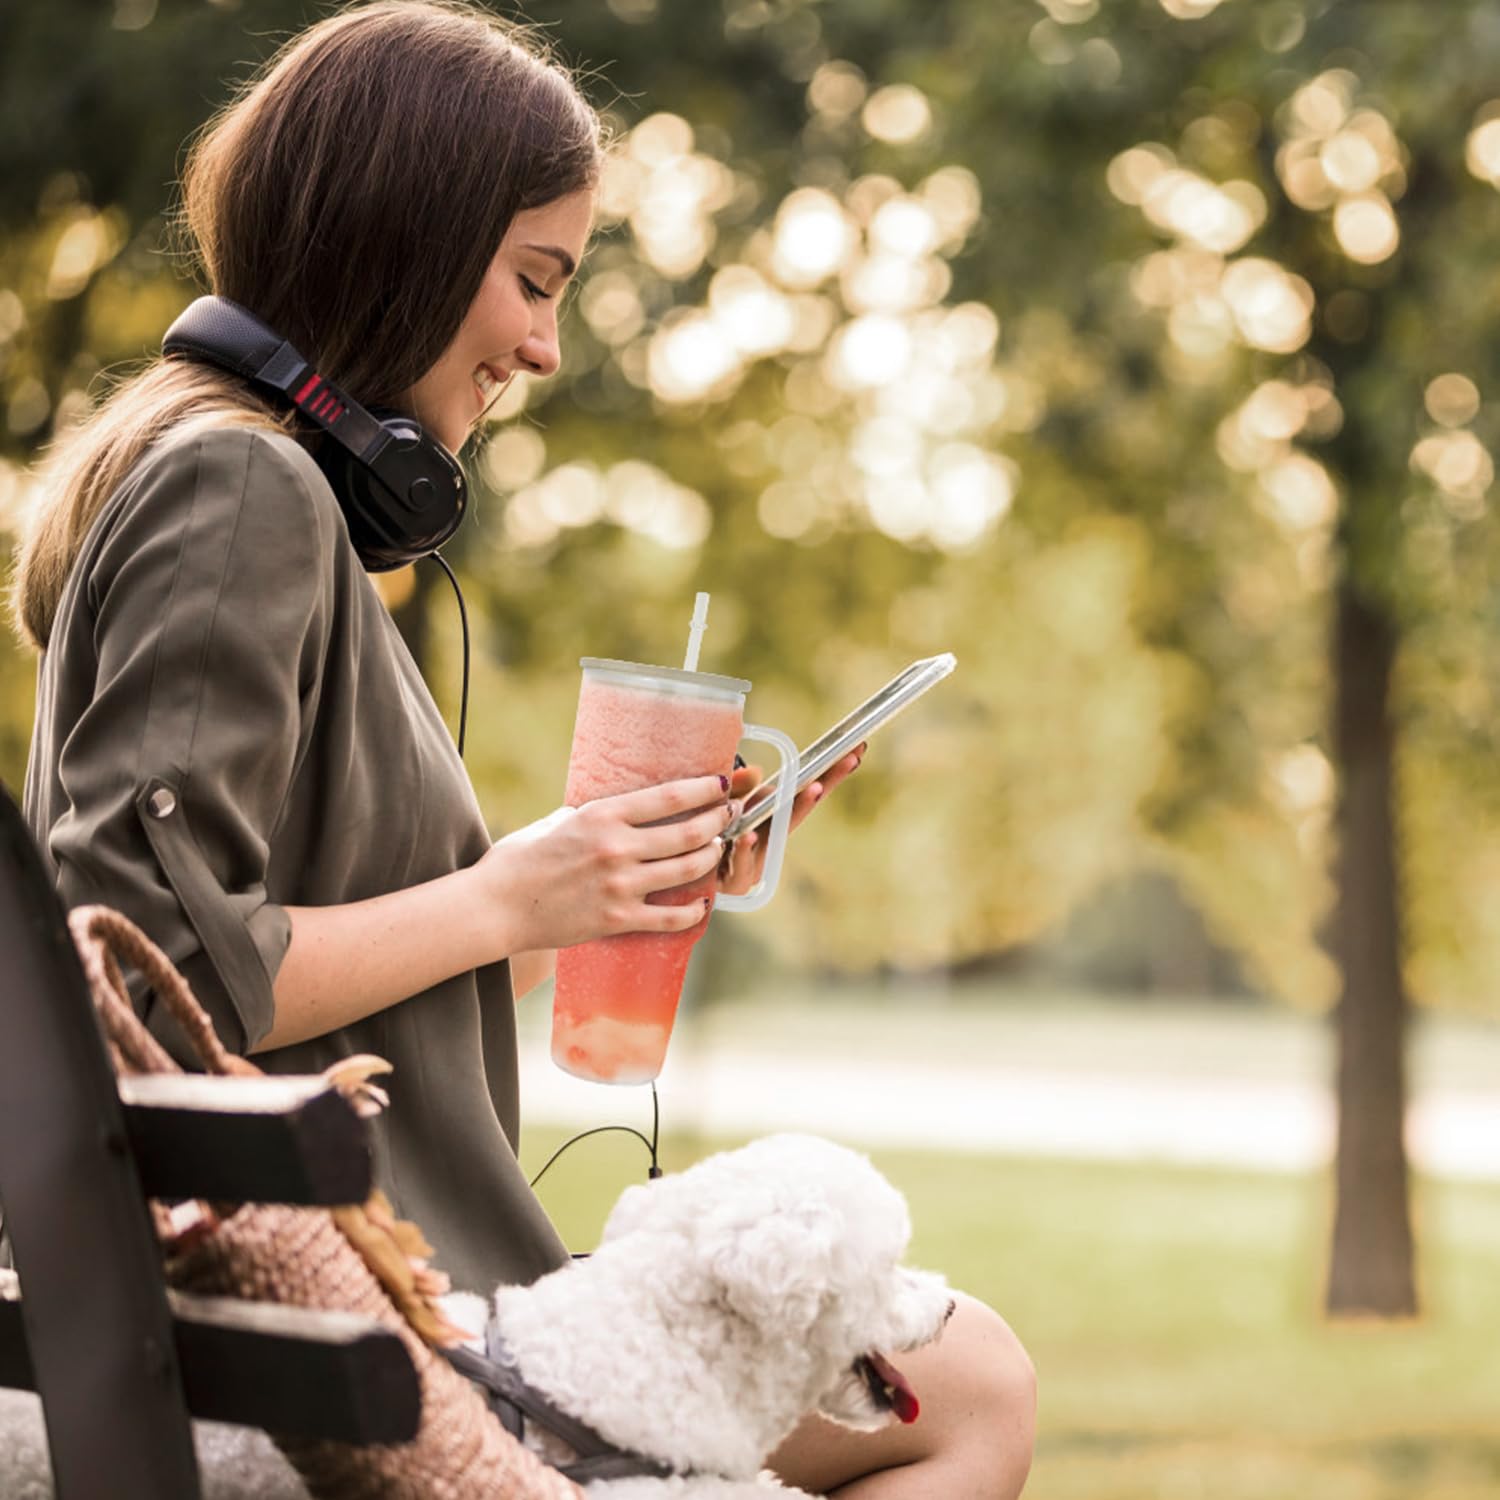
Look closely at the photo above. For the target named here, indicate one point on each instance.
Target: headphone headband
(401, 491)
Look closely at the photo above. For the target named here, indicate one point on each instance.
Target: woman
(232, 744)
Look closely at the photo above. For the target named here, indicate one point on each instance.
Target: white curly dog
(723, 1305)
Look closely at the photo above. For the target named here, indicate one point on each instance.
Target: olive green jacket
(227, 724)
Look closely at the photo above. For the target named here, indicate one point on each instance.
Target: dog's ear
(774, 1270)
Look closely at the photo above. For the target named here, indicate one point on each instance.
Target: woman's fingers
(662, 917)
(653, 804)
(662, 837)
(667, 839)
(663, 874)
(742, 867)
(746, 859)
(844, 768)
(646, 915)
(744, 779)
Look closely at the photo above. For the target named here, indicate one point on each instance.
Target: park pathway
(1203, 1105)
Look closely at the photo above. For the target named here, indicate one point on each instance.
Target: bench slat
(295, 1371)
(261, 1140)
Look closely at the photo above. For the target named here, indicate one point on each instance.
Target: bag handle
(103, 937)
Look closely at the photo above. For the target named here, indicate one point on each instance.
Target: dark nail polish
(723, 783)
(708, 902)
(739, 761)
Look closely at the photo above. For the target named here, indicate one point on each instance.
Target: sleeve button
(162, 803)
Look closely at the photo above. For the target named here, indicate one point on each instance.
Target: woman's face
(511, 325)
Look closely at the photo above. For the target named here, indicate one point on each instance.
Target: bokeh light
(12, 315)
(512, 457)
(897, 114)
(668, 192)
(633, 495)
(1131, 173)
(757, 318)
(690, 356)
(29, 406)
(904, 226)
(1214, 216)
(1301, 493)
(1451, 399)
(610, 302)
(1304, 782)
(1217, 217)
(1070, 12)
(1211, 303)
(1272, 308)
(1306, 779)
(1482, 148)
(1460, 465)
(1321, 105)
(872, 350)
(1366, 229)
(952, 196)
(837, 90)
(88, 241)
(1350, 161)
(1335, 157)
(812, 238)
(1259, 432)
(885, 388)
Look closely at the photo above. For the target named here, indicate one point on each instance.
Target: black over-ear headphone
(402, 492)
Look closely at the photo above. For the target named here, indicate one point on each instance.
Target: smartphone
(854, 728)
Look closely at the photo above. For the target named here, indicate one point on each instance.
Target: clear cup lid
(665, 679)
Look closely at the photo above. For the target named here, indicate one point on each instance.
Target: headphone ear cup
(402, 493)
(402, 504)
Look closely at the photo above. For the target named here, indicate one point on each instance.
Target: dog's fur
(724, 1304)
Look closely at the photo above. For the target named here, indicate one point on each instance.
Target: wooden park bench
(122, 1363)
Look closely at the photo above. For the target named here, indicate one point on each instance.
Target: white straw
(695, 633)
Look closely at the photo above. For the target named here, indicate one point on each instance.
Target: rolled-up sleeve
(210, 598)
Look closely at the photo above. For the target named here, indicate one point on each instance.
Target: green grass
(1173, 1317)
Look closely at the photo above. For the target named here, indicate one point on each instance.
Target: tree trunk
(1372, 1265)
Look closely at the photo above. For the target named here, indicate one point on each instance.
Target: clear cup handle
(781, 817)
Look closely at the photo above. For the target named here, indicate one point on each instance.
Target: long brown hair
(352, 197)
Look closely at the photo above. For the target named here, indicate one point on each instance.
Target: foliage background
(993, 409)
(1096, 341)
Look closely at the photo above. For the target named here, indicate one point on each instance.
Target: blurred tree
(1358, 202)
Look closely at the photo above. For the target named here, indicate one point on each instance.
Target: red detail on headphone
(323, 405)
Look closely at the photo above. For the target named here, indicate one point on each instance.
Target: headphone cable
(463, 615)
(652, 1172)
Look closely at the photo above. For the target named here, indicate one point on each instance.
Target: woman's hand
(585, 872)
(742, 865)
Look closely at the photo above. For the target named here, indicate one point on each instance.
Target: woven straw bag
(355, 1259)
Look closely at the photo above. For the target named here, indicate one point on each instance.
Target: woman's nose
(541, 352)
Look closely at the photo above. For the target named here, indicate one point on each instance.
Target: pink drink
(616, 997)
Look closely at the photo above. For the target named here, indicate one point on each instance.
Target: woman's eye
(533, 292)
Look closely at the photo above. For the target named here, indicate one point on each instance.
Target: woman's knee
(999, 1391)
(1011, 1373)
